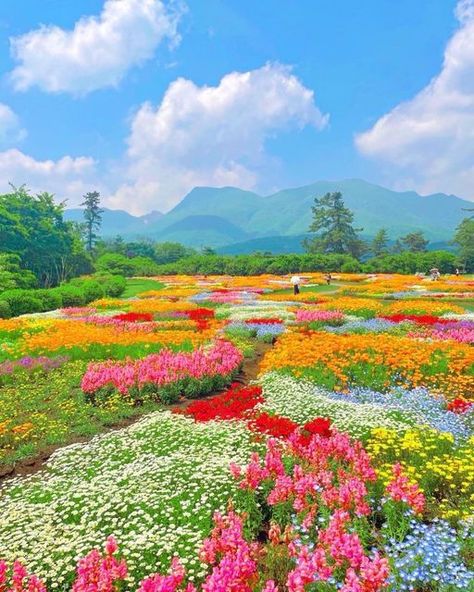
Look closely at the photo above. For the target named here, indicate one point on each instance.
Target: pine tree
(379, 243)
(415, 242)
(333, 221)
(92, 217)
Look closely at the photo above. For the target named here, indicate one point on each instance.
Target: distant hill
(119, 222)
(235, 220)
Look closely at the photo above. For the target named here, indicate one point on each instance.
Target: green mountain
(116, 222)
(235, 220)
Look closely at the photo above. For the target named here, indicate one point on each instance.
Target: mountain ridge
(225, 216)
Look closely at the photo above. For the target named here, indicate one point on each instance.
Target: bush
(92, 290)
(5, 311)
(50, 299)
(116, 264)
(72, 295)
(22, 301)
(114, 285)
(351, 267)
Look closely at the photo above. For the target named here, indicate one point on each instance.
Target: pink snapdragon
(162, 368)
(169, 583)
(400, 489)
(18, 579)
(97, 572)
(311, 315)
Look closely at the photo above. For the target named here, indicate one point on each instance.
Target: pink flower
(400, 489)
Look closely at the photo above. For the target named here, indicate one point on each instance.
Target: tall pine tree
(332, 222)
(379, 243)
(92, 217)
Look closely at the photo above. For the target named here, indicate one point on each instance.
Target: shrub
(22, 301)
(72, 295)
(50, 299)
(5, 311)
(351, 267)
(93, 290)
(116, 264)
(114, 285)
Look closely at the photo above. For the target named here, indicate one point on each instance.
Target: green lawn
(137, 285)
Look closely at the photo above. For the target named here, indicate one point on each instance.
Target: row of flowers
(164, 376)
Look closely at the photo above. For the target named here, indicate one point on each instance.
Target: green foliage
(22, 301)
(11, 274)
(169, 252)
(334, 223)
(72, 295)
(256, 264)
(92, 217)
(114, 285)
(33, 229)
(379, 244)
(51, 299)
(464, 237)
(114, 263)
(408, 262)
(91, 288)
(414, 242)
(5, 310)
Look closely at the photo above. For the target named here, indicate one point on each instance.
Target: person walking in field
(296, 281)
(328, 278)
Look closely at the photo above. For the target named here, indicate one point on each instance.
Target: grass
(137, 285)
(44, 410)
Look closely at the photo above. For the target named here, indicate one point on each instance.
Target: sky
(145, 99)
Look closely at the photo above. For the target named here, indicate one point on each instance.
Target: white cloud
(10, 128)
(210, 135)
(68, 178)
(99, 50)
(429, 140)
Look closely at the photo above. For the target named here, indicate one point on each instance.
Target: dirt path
(29, 466)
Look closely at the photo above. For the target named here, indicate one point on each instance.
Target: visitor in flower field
(328, 278)
(296, 281)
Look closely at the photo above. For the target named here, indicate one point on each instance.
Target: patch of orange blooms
(65, 333)
(444, 367)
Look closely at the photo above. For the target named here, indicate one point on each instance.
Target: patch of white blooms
(154, 486)
(302, 401)
(261, 310)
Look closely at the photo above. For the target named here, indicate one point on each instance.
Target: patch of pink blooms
(307, 315)
(401, 490)
(162, 368)
(330, 472)
(97, 572)
(17, 579)
(78, 311)
(121, 325)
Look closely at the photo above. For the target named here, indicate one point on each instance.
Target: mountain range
(234, 220)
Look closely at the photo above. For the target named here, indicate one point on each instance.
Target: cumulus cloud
(211, 135)
(68, 178)
(98, 52)
(10, 128)
(430, 138)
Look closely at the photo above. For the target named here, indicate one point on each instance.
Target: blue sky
(74, 120)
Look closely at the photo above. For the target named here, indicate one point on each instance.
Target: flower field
(222, 434)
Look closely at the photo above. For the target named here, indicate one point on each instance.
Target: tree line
(39, 249)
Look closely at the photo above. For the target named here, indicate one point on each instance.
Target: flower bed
(164, 376)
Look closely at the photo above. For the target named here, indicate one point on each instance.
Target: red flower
(274, 425)
(459, 405)
(199, 314)
(320, 426)
(233, 404)
(420, 319)
(134, 317)
(262, 321)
